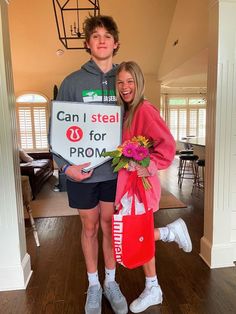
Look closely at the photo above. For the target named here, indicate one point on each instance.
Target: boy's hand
(76, 173)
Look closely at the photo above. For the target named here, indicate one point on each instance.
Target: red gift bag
(133, 235)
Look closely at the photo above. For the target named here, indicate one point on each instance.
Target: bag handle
(131, 183)
(137, 185)
(142, 192)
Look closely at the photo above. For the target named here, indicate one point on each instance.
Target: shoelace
(144, 293)
(93, 296)
(115, 291)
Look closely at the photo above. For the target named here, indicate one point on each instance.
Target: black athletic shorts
(88, 195)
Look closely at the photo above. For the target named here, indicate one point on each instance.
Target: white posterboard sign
(81, 132)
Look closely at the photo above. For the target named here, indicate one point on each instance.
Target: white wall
(218, 245)
(15, 268)
(190, 27)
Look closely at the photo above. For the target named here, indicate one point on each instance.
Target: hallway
(59, 280)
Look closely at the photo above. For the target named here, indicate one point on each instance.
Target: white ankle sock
(166, 234)
(93, 279)
(109, 275)
(151, 282)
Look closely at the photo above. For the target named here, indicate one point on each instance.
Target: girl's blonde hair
(137, 75)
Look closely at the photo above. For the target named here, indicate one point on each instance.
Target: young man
(93, 193)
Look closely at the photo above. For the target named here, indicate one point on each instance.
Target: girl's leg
(176, 231)
(156, 234)
(150, 268)
(152, 294)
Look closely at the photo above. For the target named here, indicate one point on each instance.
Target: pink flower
(129, 150)
(140, 153)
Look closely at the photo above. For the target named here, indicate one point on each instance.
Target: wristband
(65, 168)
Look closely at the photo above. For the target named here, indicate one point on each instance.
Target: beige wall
(147, 29)
(34, 40)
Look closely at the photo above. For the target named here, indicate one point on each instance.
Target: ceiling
(190, 76)
(147, 32)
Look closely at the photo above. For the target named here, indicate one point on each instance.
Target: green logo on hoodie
(93, 95)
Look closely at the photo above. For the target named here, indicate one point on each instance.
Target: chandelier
(70, 15)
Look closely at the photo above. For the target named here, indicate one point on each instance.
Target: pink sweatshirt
(148, 122)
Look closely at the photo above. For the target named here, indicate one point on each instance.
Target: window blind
(186, 116)
(32, 125)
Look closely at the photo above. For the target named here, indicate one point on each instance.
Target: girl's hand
(142, 171)
(132, 166)
(76, 173)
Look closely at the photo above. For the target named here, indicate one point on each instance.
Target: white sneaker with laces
(182, 238)
(149, 296)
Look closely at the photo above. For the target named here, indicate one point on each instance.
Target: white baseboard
(16, 277)
(217, 256)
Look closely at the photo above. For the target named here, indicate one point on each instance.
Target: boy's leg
(90, 223)
(111, 288)
(107, 211)
(85, 198)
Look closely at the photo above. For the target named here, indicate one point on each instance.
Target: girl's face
(126, 86)
(102, 44)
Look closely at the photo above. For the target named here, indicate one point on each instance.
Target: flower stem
(146, 183)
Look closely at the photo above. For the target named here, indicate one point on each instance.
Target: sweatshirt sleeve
(64, 91)
(164, 147)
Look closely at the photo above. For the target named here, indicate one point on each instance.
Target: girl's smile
(126, 86)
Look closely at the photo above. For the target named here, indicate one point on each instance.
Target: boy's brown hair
(92, 22)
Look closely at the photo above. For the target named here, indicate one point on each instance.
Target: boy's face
(101, 44)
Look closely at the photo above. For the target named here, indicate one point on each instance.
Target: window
(186, 116)
(32, 120)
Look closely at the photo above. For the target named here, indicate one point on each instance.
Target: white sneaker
(149, 296)
(182, 238)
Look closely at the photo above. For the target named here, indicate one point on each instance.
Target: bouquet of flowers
(130, 153)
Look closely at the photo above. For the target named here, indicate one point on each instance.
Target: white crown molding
(214, 2)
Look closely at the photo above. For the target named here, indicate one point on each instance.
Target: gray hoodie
(89, 85)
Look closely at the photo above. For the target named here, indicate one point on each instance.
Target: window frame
(42, 127)
(188, 108)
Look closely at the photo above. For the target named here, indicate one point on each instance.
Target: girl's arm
(164, 149)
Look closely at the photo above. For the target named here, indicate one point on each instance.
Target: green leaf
(121, 164)
(115, 161)
(105, 154)
(145, 162)
(114, 153)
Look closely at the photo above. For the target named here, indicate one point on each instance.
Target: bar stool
(186, 151)
(187, 145)
(200, 175)
(187, 168)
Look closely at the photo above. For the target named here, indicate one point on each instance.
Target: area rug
(49, 203)
(168, 200)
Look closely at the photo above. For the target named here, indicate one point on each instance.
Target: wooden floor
(59, 281)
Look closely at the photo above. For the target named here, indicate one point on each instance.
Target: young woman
(143, 119)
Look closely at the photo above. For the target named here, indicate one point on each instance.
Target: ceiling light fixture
(70, 15)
